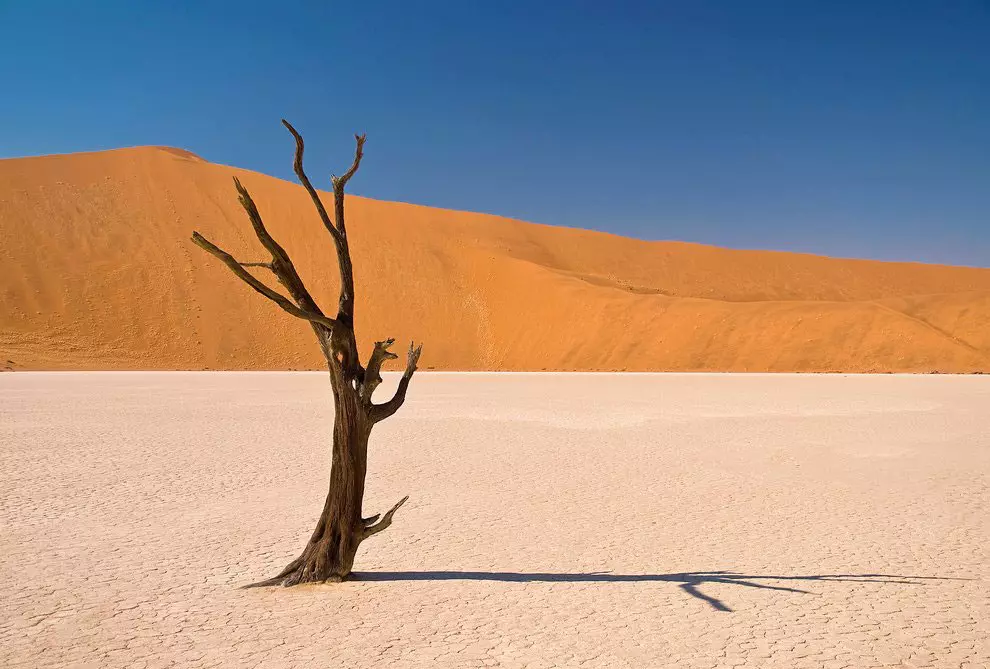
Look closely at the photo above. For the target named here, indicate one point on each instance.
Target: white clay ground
(554, 520)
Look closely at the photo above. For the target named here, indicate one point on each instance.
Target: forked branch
(341, 181)
(281, 264)
(384, 522)
(345, 311)
(248, 278)
(344, 255)
(372, 375)
(380, 412)
(297, 165)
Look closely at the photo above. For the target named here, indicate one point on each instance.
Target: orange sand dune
(97, 272)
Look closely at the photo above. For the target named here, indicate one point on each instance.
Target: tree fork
(329, 553)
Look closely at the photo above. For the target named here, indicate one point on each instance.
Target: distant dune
(97, 272)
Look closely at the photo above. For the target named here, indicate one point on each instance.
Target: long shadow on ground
(688, 581)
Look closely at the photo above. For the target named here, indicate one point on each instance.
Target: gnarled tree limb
(372, 375)
(297, 166)
(248, 278)
(341, 181)
(281, 264)
(384, 522)
(380, 412)
(346, 307)
(345, 311)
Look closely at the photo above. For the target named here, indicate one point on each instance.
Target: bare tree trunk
(329, 554)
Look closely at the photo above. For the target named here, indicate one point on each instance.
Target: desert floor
(554, 520)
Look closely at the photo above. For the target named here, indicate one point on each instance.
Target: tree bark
(329, 553)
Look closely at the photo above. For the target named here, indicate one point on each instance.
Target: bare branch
(412, 357)
(281, 264)
(384, 522)
(266, 265)
(346, 305)
(297, 165)
(380, 412)
(345, 311)
(372, 375)
(340, 182)
(248, 278)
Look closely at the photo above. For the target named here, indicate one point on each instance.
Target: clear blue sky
(853, 128)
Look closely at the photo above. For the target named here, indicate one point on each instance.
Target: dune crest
(97, 272)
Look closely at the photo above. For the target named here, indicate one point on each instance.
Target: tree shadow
(689, 582)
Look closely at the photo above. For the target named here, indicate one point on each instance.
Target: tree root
(304, 569)
(294, 574)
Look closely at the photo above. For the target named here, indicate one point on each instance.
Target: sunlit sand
(98, 272)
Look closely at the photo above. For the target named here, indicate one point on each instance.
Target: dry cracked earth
(554, 521)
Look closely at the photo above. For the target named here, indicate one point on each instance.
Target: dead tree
(329, 555)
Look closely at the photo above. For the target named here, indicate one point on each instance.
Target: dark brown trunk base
(323, 561)
(329, 555)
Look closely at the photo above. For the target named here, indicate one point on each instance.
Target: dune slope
(97, 272)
